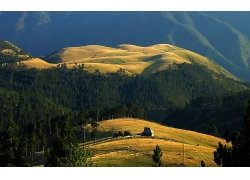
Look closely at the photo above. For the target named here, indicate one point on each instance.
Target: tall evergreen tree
(239, 154)
(140, 112)
(12, 147)
(94, 131)
(66, 151)
(157, 155)
(33, 142)
(82, 119)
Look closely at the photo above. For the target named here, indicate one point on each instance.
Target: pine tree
(94, 133)
(12, 148)
(65, 151)
(82, 118)
(43, 142)
(33, 141)
(239, 154)
(203, 163)
(157, 155)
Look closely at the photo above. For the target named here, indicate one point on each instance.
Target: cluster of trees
(65, 150)
(211, 114)
(12, 147)
(120, 133)
(76, 89)
(129, 110)
(39, 135)
(237, 155)
(29, 94)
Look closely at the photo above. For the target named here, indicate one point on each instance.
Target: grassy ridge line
(136, 126)
(38, 63)
(136, 152)
(134, 59)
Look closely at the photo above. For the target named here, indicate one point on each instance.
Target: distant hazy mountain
(221, 36)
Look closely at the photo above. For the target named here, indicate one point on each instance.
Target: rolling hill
(10, 53)
(137, 151)
(134, 59)
(143, 60)
(221, 36)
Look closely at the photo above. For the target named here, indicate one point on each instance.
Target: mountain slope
(220, 36)
(145, 60)
(11, 53)
(197, 146)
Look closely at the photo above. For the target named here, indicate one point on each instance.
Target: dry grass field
(137, 152)
(134, 59)
(38, 63)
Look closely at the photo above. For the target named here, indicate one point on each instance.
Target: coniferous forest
(31, 95)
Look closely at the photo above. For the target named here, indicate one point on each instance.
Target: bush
(118, 133)
(127, 133)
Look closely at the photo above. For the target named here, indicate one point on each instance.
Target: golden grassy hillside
(38, 63)
(137, 151)
(134, 59)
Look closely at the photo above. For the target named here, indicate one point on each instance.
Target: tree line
(211, 114)
(29, 96)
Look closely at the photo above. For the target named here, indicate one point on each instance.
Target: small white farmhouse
(148, 132)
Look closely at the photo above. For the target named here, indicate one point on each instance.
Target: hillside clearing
(136, 151)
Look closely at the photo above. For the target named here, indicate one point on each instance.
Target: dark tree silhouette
(203, 163)
(239, 154)
(12, 147)
(157, 156)
(82, 120)
(94, 133)
(66, 151)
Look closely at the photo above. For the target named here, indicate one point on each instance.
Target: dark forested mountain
(220, 36)
(30, 95)
(211, 114)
